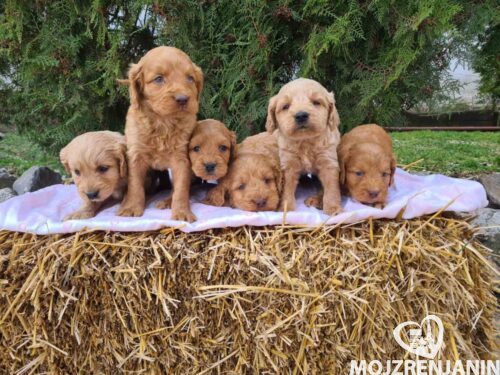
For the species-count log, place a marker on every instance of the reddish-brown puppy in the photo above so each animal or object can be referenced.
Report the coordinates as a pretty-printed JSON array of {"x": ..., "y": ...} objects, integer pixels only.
[
  {"x": 97, "y": 163},
  {"x": 254, "y": 179},
  {"x": 367, "y": 164},
  {"x": 164, "y": 86},
  {"x": 211, "y": 148},
  {"x": 306, "y": 120}
]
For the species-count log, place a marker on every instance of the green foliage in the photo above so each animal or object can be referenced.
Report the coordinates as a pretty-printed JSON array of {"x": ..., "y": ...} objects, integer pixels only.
[{"x": 60, "y": 59}]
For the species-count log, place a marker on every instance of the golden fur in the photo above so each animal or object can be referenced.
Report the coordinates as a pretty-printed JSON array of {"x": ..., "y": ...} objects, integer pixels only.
[
  {"x": 254, "y": 179},
  {"x": 309, "y": 146},
  {"x": 210, "y": 149},
  {"x": 97, "y": 163},
  {"x": 164, "y": 86},
  {"x": 367, "y": 164}
]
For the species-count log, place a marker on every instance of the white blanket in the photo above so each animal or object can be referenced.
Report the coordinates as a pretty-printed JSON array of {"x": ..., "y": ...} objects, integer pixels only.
[{"x": 41, "y": 212}]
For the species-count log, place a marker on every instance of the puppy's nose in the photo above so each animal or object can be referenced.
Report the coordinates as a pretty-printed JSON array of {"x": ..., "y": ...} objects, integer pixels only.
[
  {"x": 260, "y": 203},
  {"x": 301, "y": 117},
  {"x": 373, "y": 193},
  {"x": 210, "y": 167},
  {"x": 92, "y": 194},
  {"x": 181, "y": 99}
]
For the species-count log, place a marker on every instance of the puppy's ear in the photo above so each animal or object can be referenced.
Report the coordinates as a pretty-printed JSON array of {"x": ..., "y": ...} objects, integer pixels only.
[
  {"x": 333, "y": 115},
  {"x": 278, "y": 175},
  {"x": 136, "y": 84},
  {"x": 199, "y": 80},
  {"x": 217, "y": 195},
  {"x": 121, "y": 155},
  {"x": 63, "y": 156},
  {"x": 342, "y": 156},
  {"x": 234, "y": 144},
  {"x": 393, "y": 169},
  {"x": 271, "y": 115}
]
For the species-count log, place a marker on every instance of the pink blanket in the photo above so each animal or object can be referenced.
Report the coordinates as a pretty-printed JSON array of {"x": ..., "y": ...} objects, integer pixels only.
[{"x": 41, "y": 212}]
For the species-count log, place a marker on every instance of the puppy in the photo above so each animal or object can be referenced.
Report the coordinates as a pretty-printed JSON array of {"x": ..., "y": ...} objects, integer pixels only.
[
  {"x": 97, "y": 163},
  {"x": 304, "y": 116},
  {"x": 367, "y": 164},
  {"x": 254, "y": 179},
  {"x": 164, "y": 87},
  {"x": 211, "y": 147}
]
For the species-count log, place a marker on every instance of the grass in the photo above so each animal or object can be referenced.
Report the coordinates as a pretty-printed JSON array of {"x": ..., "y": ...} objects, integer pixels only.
[
  {"x": 451, "y": 153},
  {"x": 18, "y": 154}
]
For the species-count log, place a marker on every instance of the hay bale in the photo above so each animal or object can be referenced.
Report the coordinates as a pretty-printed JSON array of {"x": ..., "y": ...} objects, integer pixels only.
[{"x": 247, "y": 300}]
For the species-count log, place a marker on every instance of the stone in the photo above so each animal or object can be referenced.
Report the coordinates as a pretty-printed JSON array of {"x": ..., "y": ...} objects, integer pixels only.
[
  {"x": 488, "y": 219},
  {"x": 36, "y": 178},
  {"x": 6, "y": 193},
  {"x": 6, "y": 179},
  {"x": 491, "y": 183}
]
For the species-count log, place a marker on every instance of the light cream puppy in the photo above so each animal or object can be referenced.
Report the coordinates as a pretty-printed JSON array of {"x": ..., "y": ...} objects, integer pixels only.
[
  {"x": 306, "y": 120},
  {"x": 97, "y": 163}
]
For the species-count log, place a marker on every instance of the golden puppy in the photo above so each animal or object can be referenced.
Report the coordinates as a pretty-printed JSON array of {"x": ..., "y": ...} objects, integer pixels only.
[
  {"x": 306, "y": 120},
  {"x": 210, "y": 149},
  {"x": 97, "y": 163},
  {"x": 164, "y": 86},
  {"x": 367, "y": 164},
  {"x": 254, "y": 180}
]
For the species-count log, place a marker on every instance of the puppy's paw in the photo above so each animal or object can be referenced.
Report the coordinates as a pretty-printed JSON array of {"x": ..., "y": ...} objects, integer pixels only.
[
  {"x": 79, "y": 215},
  {"x": 132, "y": 211},
  {"x": 379, "y": 205},
  {"x": 215, "y": 197},
  {"x": 166, "y": 203},
  {"x": 332, "y": 210},
  {"x": 315, "y": 201},
  {"x": 183, "y": 215}
]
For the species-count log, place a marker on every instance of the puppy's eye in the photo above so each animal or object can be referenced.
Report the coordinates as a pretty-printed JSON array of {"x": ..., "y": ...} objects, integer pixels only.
[
  {"x": 159, "y": 80},
  {"x": 242, "y": 187},
  {"x": 267, "y": 181},
  {"x": 222, "y": 148},
  {"x": 316, "y": 103},
  {"x": 385, "y": 174},
  {"x": 285, "y": 107},
  {"x": 359, "y": 173},
  {"x": 102, "y": 168},
  {"x": 190, "y": 78},
  {"x": 196, "y": 148},
  {"x": 77, "y": 172}
]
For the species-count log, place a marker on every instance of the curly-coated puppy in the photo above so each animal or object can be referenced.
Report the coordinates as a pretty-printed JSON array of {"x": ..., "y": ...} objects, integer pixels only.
[
  {"x": 97, "y": 163},
  {"x": 367, "y": 164},
  {"x": 254, "y": 179},
  {"x": 211, "y": 148},
  {"x": 304, "y": 114},
  {"x": 164, "y": 86}
]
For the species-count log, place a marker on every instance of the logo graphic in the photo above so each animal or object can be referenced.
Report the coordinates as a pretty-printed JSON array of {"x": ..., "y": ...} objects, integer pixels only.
[{"x": 427, "y": 345}]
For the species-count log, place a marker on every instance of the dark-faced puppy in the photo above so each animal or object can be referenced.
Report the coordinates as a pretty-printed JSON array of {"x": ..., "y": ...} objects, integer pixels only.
[
  {"x": 164, "y": 86},
  {"x": 254, "y": 179},
  {"x": 211, "y": 148},
  {"x": 97, "y": 163},
  {"x": 367, "y": 164},
  {"x": 306, "y": 121}
]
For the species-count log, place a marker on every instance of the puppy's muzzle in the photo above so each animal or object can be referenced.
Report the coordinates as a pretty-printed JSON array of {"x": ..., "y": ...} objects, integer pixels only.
[
  {"x": 181, "y": 100},
  {"x": 92, "y": 194},
  {"x": 373, "y": 193},
  {"x": 260, "y": 203},
  {"x": 301, "y": 119},
  {"x": 210, "y": 167}
]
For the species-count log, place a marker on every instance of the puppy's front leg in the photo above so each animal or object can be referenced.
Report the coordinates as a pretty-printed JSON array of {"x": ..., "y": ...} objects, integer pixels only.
[
  {"x": 135, "y": 200},
  {"x": 291, "y": 182},
  {"x": 329, "y": 177},
  {"x": 88, "y": 210},
  {"x": 181, "y": 174}
]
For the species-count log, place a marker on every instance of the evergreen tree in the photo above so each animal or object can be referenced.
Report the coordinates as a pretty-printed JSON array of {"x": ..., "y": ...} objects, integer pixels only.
[{"x": 60, "y": 59}]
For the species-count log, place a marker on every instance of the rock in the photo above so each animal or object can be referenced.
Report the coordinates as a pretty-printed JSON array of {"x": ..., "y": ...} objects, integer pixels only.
[
  {"x": 489, "y": 234},
  {"x": 491, "y": 183},
  {"x": 6, "y": 179},
  {"x": 6, "y": 193},
  {"x": 36, "y": 178}
]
